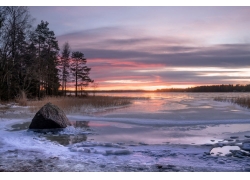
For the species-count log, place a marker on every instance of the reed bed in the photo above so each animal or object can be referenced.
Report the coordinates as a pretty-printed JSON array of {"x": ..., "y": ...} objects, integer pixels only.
[
  {"x": 81, "y": 104},
  {"x": 242, "y": 101},
  {"x": 22, "y": 100}
]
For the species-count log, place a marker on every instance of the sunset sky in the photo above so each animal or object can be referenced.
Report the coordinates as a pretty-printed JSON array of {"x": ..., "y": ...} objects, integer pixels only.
[{"x": 156, "y": 47}]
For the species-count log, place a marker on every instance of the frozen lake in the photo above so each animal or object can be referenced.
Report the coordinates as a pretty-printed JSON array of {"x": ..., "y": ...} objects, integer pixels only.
[{"x": 168, "y": 132}]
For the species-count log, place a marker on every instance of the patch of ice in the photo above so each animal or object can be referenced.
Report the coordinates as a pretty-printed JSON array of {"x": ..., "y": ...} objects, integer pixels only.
[
  {"x": 152, "y": 122},
  {"x": 70, "y": 130},
  {"x": 93, "y": 144},
  {"x": 100, "y": 148}
]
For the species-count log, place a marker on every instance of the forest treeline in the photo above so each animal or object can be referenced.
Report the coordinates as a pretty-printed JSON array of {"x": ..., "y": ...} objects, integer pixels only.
[
  {"x": 31, "y": 61},
  {"x": 211, "y": 88}
]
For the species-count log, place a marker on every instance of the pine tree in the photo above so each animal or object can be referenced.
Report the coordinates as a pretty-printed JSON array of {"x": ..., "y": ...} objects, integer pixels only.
[
  {"x": 47, "y": 50},
  {"x": 64, "y": 66},
  {"x": 80, "y": 70}
]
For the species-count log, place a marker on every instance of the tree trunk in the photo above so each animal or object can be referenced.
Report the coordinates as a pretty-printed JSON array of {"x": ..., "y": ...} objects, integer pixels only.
[
  {"x": 81, "y": 90},
  {"x": 76, "y": 85},
  {"x": 65, "y": 93}
]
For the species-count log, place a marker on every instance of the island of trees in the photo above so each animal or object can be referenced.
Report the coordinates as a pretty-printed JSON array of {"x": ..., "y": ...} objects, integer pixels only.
[
  {"x": 30, "y": 59},
  {"x": 211, "y": 88},
  {"x": 207, "y": 88}
]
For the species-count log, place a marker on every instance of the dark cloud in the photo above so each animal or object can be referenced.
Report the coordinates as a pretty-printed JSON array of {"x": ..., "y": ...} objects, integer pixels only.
[
  {"x": 89, "y": 36},
  {"x": 234, "y": 56},
  {"x": 105, "y": 43},
  {"x": 116, "y": 54}
]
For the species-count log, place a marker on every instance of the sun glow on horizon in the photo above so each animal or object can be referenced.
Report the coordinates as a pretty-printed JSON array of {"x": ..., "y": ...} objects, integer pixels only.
[{"x": 156, "y": 81}]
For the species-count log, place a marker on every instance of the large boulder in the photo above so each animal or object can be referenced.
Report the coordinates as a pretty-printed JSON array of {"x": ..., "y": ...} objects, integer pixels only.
[{"x": 49, "y": 117}]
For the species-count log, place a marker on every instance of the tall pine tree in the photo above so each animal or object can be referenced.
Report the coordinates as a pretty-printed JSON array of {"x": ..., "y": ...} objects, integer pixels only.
[
  {"x": 80, "y": 70},
  {"x": 64, "y": 66},
  {"x": 47, "y": 59}
]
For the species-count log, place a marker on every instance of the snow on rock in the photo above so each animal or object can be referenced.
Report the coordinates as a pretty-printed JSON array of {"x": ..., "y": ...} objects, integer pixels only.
[{"x": 246, "y": 146}]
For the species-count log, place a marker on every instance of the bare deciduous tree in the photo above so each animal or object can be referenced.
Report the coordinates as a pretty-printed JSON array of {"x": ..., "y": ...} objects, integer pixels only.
[{"x": 15, "y": 25}]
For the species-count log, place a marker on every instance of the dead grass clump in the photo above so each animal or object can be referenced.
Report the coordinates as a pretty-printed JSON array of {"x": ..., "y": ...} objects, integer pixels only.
[
  {"x": 242, "y": 101},
  {"x": 76, "y": 104},
  {"x": 22, "y": 99}
]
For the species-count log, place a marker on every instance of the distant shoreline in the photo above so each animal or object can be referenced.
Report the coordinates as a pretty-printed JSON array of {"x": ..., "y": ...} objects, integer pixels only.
[{"x": 203, "y": 89}]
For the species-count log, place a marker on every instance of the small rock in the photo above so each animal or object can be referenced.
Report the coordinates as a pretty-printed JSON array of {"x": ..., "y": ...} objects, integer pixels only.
[
  {"x": 142, "y": 143},
  {"x": 74, "y": 149},
  {"x": 168, "y": 166},
  {"x": 234, "y": 137},
  {"x": 108, "y": 144},
  {"x": 238, "y": 156},
  {"x": 102, "y": 166},
  {"x": 247, "y": 169},
  {"x": 159, "y": 166},
  {"x": 246, "y": 146},
  {"x": 221, "y": 162},
  {"x": 122, "y": 152},
  {"x": 55, "y": 157},
  {"x": 229, "y": 140},
  {"x": 39, "y": 161},
  {"x": 207, "y": 144},
  {"x": 219, "y": 144},
  {"x": 108, "y": 152},
  {"x": 173, "y": 154},
  {"x": 206, "y": 153},
  {"x": 86, "y": 150},
  {"x": 228, "y": 155}
]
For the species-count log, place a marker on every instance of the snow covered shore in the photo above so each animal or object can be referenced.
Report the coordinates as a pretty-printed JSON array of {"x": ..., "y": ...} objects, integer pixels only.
[{"x": 190, "y": 133}]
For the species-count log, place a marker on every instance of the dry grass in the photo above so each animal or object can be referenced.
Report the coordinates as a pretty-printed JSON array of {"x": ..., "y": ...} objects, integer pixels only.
[
  {"x": 242, "y": 101},
  {"x": 21, "y": 100},
  {"x": 73, "y": 104}
]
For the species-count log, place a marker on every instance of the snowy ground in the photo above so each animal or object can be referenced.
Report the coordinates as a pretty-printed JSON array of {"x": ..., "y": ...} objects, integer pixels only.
[{"x": 169, "y": 132}]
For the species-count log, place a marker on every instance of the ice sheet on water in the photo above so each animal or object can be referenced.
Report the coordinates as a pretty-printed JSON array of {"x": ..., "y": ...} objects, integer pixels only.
[
  {"x": 114, "y": 154},
  {"x": 152, "y": 122},
  {"x": 110, "y": 154}
]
